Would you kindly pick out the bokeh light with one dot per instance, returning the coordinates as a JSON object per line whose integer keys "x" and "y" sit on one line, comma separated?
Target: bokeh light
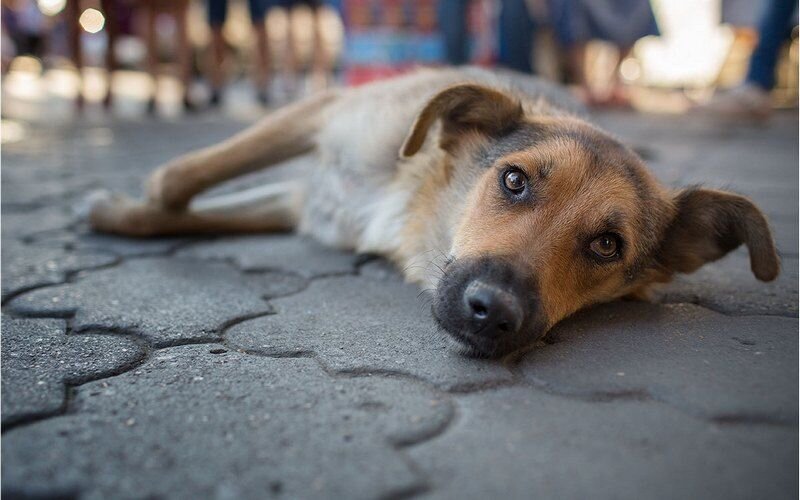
{"x": 51, "y": 7}
{"x": 92, "y": 20}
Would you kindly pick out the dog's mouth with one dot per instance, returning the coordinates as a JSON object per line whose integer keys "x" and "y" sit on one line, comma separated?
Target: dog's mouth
{"x": 474, "y": 345}
{"x": 467, "y": 343}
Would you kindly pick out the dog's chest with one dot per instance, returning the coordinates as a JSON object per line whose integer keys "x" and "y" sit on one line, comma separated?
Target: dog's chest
{"x": 352, "y": 207}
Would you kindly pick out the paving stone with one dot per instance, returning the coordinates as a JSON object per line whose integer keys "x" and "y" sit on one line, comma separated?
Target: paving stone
{"x": 291, "y": 253}
{"x": 39, "y": 359}
{"x": 84, "y": 239}
{"x": 704, "y": 363}
{"x": 23, "y": 196}
{"x": 190, "y": 424}
{"x": 520, "y": 443}
{"x": 365, "y": 324}
{"x": 30, "y": 223}
{"x": 165, "y": 300}
{"x": 696, "y": 413}
{"x": 729, "y": 286}
{"x": 785, "y": 231}
{"x": 29, "y": 266}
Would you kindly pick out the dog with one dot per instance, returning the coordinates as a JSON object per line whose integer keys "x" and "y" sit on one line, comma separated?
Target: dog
{"x": 487, "y": 187}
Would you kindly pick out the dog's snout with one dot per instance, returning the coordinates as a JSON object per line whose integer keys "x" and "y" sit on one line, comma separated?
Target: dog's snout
{"x": 493, "y": 310}
{"x": 488, "y": 305}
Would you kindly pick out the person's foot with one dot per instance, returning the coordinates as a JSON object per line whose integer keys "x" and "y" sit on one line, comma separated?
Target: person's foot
{"x": 108, "y": 101}
{"x": 216, "y": 98}
{"x": 80, "y": 102}
{"x": 188, "y": 105}
{"x": 263, "y": 97}
{"x": 151, "y": 106}
{"x": 746, "y": 101}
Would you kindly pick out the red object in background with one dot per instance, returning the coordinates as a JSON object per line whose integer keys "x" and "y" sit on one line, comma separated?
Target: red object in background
{"x": 385, "y": 38}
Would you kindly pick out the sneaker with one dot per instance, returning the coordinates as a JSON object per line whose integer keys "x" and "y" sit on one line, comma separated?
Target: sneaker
{"x": 746, "y": 101}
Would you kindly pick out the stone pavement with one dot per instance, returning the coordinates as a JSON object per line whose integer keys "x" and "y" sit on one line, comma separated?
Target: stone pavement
{"x": 267, "y": 366}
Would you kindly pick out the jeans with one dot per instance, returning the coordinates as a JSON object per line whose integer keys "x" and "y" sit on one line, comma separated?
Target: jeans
{"x": 774, "y": 29}
{"x": 516, "y": 36}
{"x": 453, "y": 25}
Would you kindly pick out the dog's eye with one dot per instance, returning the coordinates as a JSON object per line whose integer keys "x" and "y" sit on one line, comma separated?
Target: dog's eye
{"x": 605, "y": 246}
{"x": 514, "y": 180}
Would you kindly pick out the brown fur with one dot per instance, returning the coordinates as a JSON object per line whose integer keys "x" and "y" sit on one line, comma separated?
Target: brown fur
{"x": 581, "y": 183}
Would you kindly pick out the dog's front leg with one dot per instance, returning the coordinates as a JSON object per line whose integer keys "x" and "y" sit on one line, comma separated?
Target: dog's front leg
{"x": 286, "y": 133}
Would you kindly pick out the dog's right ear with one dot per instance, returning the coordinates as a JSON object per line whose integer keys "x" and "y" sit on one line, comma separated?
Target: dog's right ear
{"x": 462, "y": 108}
{"x": 711, "y": 223}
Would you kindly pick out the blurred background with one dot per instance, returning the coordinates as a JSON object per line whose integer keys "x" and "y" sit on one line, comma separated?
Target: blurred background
{"x": 167, "y": 59}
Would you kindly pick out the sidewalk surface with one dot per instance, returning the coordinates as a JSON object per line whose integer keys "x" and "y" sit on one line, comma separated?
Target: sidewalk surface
{"x": 267, "y": 366}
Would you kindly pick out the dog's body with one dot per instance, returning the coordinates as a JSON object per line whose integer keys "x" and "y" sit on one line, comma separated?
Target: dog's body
{"x": 518, "y": 215}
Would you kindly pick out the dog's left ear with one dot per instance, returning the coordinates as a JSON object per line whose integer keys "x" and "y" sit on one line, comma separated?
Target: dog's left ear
{"x": 461, "y": 108}
{"x": 711, "y": 223}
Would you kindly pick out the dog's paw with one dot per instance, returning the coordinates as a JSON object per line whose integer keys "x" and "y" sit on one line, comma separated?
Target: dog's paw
{"x": 108, "y": 212}
{"x": 166, "y": 188}
{"x": 95, "y": 200}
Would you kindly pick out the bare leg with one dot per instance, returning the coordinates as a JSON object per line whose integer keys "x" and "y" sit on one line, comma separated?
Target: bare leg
{"x": 261, "y": 56}
{"x": 291, "y": 59}
{"x": 577, "y": 68}
{"x": 270, "y": 208}
{"x": 217, "y": 75}
{"x": 283, "y": 134}
{"x": 73, "y": 12}
{"x": 151, "y": 14}
{"x": 184, "y": 50}
{"x": 320, "y": 64}
{"x": 112, "y": 30}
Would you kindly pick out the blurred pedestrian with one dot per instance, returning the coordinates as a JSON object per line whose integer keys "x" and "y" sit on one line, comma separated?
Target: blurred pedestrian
{"x": 516, "y": 36}
{"x": 217, "y": 15}
{"x": 320, "y": 63}
{"x": 452, "y": 18}
{"x": 178, "y": 10}
{"x": 26, "y": 27}
{"x": 620, "y": 22}
{"x": 73, "y": 10}
{"x": 752, "y": 99}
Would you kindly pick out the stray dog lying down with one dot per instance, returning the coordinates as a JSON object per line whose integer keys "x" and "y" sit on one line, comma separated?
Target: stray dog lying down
{"x": 482, "y": 186}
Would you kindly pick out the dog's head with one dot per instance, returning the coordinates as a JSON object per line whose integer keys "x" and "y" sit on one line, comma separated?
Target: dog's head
{"x": 556, "y": 215}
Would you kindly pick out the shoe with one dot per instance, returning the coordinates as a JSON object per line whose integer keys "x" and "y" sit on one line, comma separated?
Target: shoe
{"x": 746, "y": 101}
{"x": 216, "y": 99}
{"x": 151, "y": 106}
{"x": 188, "y": 105}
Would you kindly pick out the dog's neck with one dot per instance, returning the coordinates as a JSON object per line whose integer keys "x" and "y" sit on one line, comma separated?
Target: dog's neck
{"x": 433, "y": 213}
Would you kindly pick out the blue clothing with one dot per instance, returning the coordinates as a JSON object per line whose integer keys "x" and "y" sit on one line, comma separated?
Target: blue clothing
{"x": 774, "y": 29}
{"x": 515, "y": 43}
{"x": 621, "y": 22}
{"x": 452, "y": 16}
{"x": 218, "y": 11}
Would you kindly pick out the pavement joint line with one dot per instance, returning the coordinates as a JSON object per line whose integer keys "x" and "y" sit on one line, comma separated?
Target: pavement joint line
{"x": 71, "y": 384}
{"x": 398, "y": 445}
{"x": 231, "y": 261}
{"x": 705, "y": 305}
{"x": 647, "y": 396}
{"x": 362, "y": 372}
{"x": 70, "y": 276}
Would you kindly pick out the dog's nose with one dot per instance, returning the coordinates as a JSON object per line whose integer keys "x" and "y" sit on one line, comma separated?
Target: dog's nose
{"x": 493, "y": 310}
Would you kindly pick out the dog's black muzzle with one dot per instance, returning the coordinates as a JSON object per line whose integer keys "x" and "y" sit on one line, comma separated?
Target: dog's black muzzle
{"x": 488, "y": 305}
